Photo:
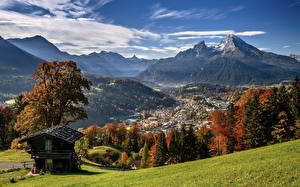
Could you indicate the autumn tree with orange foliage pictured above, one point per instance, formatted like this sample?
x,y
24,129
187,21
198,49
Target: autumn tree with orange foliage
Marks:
x,y
92,135
173,146
219,143
152,154
133,138
57,97
122,133
124,157
5,118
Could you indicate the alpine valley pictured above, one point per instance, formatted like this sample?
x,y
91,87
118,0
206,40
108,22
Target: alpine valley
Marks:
x,y
118,91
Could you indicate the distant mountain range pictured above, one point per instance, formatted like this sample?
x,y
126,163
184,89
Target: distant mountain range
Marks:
x,y
14,60
103,63
232,62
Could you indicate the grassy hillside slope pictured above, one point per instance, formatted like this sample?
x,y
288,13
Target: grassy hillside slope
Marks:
x,y
276,165
103,150
14,156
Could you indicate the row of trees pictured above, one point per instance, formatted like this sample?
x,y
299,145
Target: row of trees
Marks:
x,y
154,149
8,117
260,117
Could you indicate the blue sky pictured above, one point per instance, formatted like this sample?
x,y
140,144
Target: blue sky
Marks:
x,y
152,28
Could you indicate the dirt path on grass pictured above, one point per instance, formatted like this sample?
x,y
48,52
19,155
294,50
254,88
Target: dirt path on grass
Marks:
x,y
9,165
108,168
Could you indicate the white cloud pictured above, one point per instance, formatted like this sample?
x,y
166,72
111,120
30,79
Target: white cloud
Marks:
x,y
250,33
198,37
286,46
101,3
211,44
185,35
201,33
166,39
170,48
238,8
156,49
139,47
78,34
61,8
83,33
139,55
159,12
178,49
298,43
6,3
263,49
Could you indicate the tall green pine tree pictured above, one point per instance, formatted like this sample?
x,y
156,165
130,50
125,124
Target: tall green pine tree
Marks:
x,y
182,144
284,129
161,151
190,148
145,156
231,143
270,114
174,147
254,130
295,101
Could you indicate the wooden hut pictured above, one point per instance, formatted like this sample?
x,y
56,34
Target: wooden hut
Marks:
x,y
53,148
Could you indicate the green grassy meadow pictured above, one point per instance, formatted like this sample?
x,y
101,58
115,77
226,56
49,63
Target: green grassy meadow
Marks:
x,y
103,149
275,165
14,156
17,175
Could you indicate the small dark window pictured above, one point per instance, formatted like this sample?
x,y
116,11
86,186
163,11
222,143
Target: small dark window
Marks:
x,y
48,146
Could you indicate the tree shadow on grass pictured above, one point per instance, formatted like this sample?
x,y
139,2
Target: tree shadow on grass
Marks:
x,y
80,172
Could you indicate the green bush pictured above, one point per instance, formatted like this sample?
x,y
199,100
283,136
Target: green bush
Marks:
x,y
114,156
100,159
12,180
135,156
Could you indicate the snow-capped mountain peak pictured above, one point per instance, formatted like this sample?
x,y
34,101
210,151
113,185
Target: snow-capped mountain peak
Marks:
x,y
230,43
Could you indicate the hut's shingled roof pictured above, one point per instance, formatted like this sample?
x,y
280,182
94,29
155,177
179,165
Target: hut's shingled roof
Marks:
x,y
60,131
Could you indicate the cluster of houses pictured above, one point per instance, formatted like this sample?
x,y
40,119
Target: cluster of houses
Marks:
x,y
168,118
